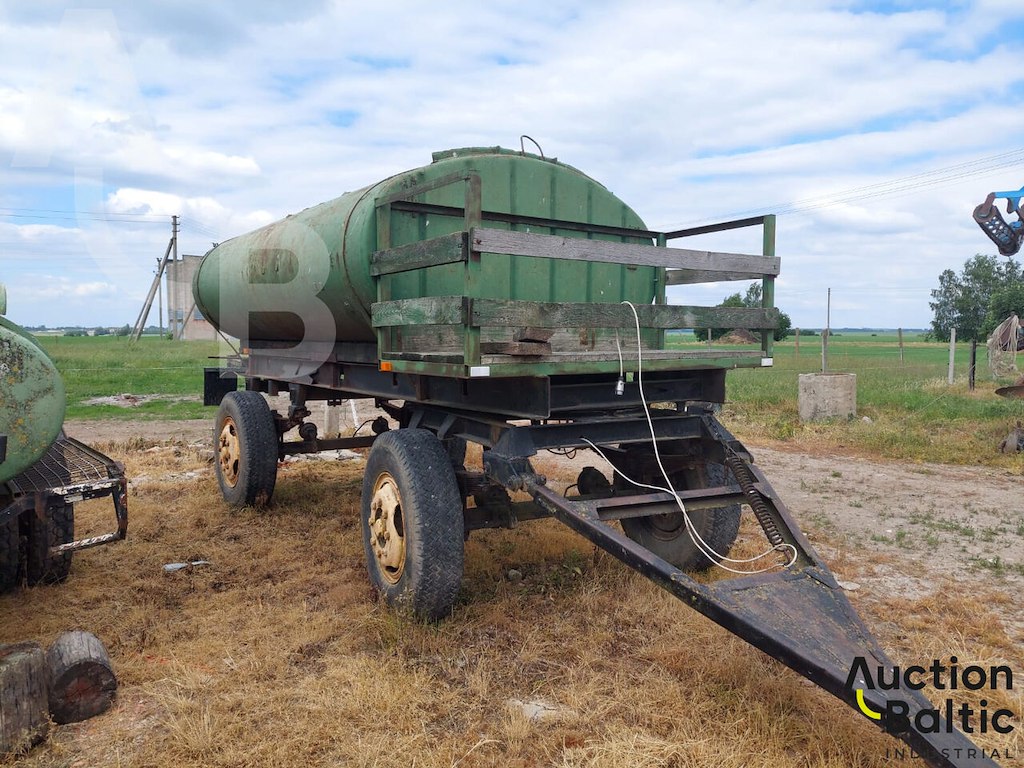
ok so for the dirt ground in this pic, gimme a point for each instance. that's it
(935, 521)
(284, 619)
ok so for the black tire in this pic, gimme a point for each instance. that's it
(10, 554)
(246, 442)
(456, 448)
(666, 535)
(57, 529)
(412, 523)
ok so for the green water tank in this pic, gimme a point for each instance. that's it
(257, 286)
(32, 400)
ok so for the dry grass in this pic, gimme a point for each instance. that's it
(279, 653)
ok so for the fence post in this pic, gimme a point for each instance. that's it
(900, 332)
(798, 342)
(974, 365)
(952, 354)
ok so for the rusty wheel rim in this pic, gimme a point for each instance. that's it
(229, 452)
(387, 528)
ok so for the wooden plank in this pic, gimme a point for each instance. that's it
(692, 276)
(518, 348)
(446, 249)
(588, 315)
(429, 310)
(533, 334)
(556, 247)
(409, 193)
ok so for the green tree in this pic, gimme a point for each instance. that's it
(1004, 302)
(962, 301)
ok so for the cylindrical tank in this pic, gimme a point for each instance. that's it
(32, 400)
(261, 285)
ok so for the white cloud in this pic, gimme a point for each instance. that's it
(231, 115)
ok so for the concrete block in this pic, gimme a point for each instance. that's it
(827, 396)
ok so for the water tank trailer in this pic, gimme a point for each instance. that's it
(506, 299)
(43, 472)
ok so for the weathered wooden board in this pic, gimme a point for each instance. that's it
(487, 240)
(517, 348)
(446, 249)
(429, 310)
(693, 276)
(588, 315)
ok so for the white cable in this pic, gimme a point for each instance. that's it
(705, 549)
(618, 347)
(699, 541)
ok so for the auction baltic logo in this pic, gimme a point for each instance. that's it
(945, 718)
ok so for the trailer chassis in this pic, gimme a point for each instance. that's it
(797, 614)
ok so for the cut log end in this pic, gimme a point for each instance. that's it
(82, 682)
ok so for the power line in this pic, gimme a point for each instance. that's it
(892, 187)
(57, 210)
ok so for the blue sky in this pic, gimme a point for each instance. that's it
(234, 114)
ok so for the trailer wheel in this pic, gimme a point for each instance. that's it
(413, 523)
(10, 554)
(247, 449)
(58, 528)
(667, 536)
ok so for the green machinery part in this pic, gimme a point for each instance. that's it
(32, 398)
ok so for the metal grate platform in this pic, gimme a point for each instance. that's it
(67, 464)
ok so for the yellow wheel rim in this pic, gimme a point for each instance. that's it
(229, 452)
(387, 528)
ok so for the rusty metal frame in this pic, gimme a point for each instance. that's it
(68, 473)
(799, 614)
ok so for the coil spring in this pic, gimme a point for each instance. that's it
(746, 480)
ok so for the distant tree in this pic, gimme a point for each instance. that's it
(752, 299)
(124, 330)
(1004, 302)
(101, 331)
(75, 332)
(962, 301)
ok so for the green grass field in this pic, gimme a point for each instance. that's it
(108, 365)
(913, 413)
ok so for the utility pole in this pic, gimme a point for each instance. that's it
(140, 323)
(174, 258)
(826, 333)
(160, 302)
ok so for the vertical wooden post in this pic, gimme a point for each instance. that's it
(900, 332)
(660, 295)
(768, 282)
(798, 342)
(827, 332)
(974, 365)
(385, 335)
(471, 283)
(952, 355)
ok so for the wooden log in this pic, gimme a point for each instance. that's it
(23, 696)
(82, 683)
